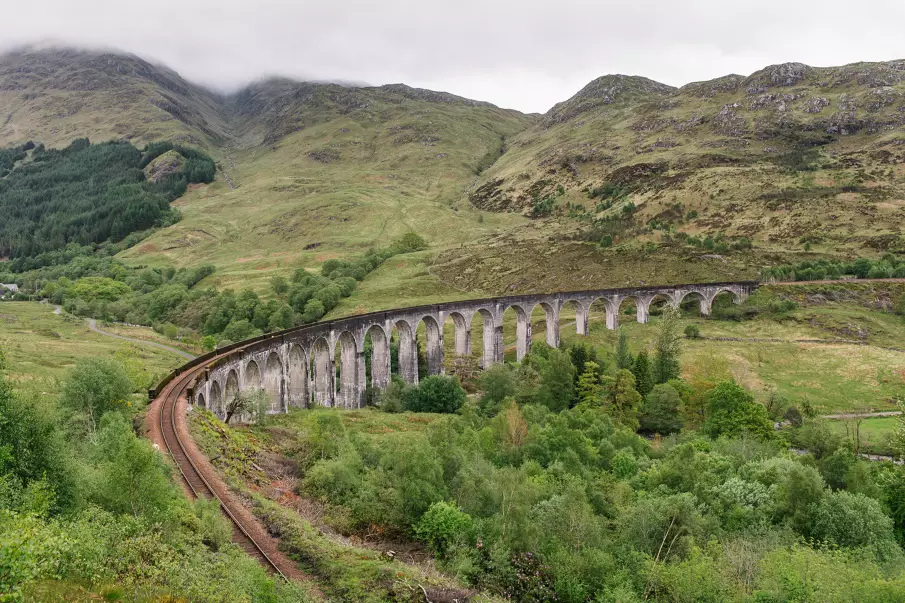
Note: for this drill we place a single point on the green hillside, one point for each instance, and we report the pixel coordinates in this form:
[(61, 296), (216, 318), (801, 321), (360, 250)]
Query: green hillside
[(621, 184), (789, 156)]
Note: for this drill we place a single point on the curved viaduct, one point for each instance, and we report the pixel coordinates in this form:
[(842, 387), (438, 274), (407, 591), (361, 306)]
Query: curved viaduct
[(296, 367)]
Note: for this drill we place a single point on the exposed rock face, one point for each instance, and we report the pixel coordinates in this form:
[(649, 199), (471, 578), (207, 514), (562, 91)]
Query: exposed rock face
[(164, 165), (608, 90)]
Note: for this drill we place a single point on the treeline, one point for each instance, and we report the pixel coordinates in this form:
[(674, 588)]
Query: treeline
[(89, 193), (88, 510), (889, 266), (93, 284), (543, 490)]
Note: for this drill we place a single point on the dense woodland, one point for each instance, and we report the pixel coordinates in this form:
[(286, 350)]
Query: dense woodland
[(89, 193), (601, 475)]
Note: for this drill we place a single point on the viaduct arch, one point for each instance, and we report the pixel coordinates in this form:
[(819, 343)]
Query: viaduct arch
[(297, 367)]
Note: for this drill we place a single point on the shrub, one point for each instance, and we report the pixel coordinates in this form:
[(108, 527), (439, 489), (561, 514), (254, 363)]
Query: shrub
[(442, 526), (692, 331), (96, 386), (436, 393), (732, 412)]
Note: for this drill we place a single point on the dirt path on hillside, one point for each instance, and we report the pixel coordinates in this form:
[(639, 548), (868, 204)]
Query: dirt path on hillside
[(863, 415), (92, 324)]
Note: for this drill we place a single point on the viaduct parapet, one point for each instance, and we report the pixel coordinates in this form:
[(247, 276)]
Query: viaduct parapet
[(298, 367)]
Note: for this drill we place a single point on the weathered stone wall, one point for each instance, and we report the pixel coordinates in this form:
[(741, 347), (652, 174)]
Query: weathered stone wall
[(297, 367)]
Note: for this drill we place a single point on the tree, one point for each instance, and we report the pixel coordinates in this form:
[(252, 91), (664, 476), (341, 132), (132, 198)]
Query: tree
[(640, 368), (281, 319), (620, 398), (442, 525), (314, 309), (253, 403), (133, 478), (623, 356), (279, 285), (852, 520), (497, 383), (436, 393), (515, 424), (32, 450), (660, 412), (466, 368), (667, 347), (557, 381), (732, 411), (208, 343), (589, 385), (96, 386)]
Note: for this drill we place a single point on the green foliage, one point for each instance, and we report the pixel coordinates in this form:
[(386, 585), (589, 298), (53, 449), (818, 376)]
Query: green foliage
[(667, 347), (644, 379), (32, 455), (89, 193), (436, 393), (95, 387), (660, 412), (557, 380), (732, 411), (442, 525), (496, 384), (692, 331), (622, 354), (132, 478), (620, 398), (94, 288), (850, 520), (889, 266), (589, 386)]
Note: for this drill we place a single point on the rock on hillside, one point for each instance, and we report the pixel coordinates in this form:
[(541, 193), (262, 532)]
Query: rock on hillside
[(621, 90), (164, 165)]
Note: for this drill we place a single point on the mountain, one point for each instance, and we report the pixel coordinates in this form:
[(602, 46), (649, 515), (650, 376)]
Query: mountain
[(788, 163), (54, 96), (790, 157)]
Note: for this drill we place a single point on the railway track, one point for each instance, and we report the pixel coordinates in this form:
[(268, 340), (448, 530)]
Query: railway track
[(197, 485)]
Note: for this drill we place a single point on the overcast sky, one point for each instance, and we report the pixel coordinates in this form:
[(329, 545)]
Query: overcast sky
[(521, 54)]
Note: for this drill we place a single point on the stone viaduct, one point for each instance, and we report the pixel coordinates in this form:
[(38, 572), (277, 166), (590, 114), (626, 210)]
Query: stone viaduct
[(298, 367)]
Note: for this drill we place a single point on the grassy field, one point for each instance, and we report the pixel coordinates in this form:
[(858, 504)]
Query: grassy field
[(872, 435), (831, 378), (41, 347)]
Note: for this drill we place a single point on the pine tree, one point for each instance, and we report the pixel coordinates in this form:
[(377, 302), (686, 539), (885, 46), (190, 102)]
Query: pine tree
[(589, 386), (644, 381), (667, 347), (621, 400), (624, 358)]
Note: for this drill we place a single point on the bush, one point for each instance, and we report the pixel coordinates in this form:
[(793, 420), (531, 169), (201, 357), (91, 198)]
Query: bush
[(442, 526), (692, 331), (733, 412), (436, 393), (96, 386)]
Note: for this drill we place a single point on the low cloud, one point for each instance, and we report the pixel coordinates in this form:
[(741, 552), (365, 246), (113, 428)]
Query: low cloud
[(523, 54)]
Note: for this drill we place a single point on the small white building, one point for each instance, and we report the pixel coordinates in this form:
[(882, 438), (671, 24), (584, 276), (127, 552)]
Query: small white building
[(8, 289)]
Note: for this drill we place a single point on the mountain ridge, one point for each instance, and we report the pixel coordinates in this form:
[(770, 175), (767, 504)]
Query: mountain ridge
[(786, 157)]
